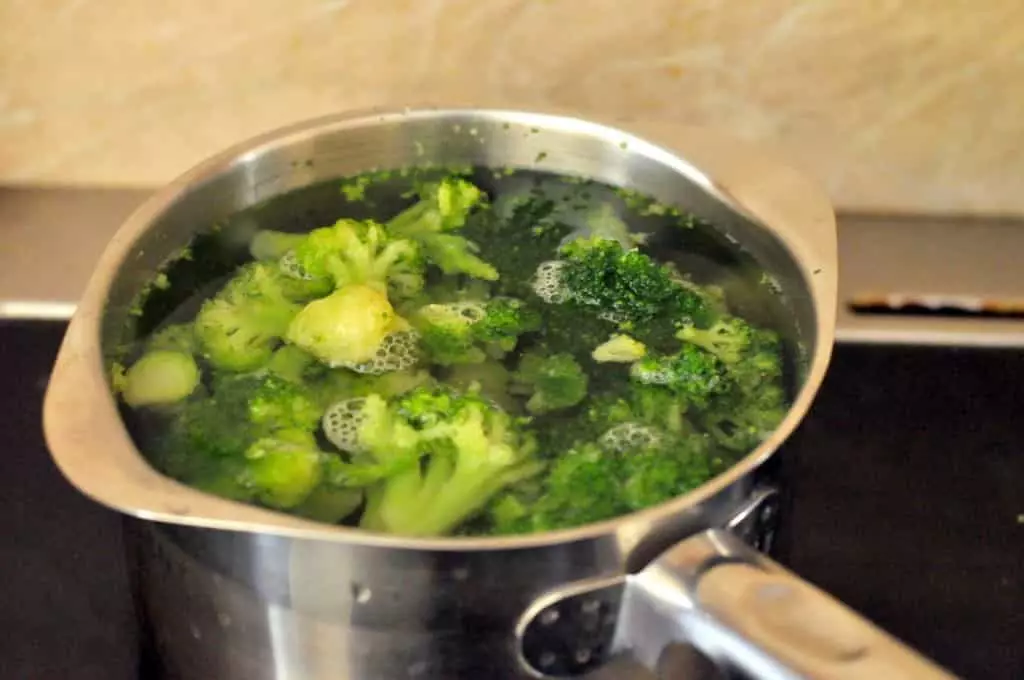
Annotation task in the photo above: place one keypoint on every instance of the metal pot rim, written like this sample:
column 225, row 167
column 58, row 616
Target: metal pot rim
column 751, row 179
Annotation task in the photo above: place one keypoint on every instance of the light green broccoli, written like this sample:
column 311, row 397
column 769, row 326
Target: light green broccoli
column 443, row 208
column 239, row 328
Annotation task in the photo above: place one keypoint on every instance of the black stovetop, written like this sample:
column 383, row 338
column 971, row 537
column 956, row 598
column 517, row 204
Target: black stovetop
column 907, row 485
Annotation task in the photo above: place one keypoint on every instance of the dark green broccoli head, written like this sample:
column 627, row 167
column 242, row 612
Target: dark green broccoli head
column 591, row 483
column 553, row 382
column 739, row 420
column 761, row 363
column 505, row 320
column 663, row 469
column 500, row 235
column 627, row 286
column 647, row 405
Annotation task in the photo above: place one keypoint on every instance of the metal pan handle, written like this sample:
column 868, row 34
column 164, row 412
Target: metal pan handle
column 736, row 606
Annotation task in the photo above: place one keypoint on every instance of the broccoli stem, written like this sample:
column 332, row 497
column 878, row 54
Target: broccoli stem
column 160, row 377
column 436, row 502
column 272, row 245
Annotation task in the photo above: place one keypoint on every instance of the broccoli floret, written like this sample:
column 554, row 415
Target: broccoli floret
column 497, row 231
column 727, row 338
column 204, row 438
column 470, row 331
column 692, row 374
column 355, row 252
column 443, row 207
column 288, row 470
column 761, row 362
column 753, row 402
column 591, row 483
column 626, row 285
column 553, row 382
column 279, row 404
column 649, row 406
column 739, row 421
column 619, row 349
column 158, row 378
column 239, row 328
column 283, row 469
column 654, row 474
column 347, row 327
column 451, row 454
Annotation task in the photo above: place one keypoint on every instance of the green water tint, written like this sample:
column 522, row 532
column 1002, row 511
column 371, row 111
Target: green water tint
column 608, row 450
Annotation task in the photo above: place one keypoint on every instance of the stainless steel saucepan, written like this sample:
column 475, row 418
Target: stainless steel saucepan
column 231, row 591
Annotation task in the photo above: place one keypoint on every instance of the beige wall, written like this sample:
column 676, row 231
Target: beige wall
column 894, row 104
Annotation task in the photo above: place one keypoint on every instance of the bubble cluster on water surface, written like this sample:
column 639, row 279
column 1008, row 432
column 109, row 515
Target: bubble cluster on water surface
column 629, row 437
column 397, row 352
column 547, row 282
column 342, row 422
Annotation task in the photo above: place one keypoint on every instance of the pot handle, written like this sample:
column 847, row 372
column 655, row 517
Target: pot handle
column 729, row 601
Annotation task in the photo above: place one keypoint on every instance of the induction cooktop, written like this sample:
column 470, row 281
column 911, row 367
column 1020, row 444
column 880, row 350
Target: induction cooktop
column 905, row 483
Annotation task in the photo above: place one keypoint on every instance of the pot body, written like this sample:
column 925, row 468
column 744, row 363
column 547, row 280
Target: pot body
column 225, row 605
column 231, row 590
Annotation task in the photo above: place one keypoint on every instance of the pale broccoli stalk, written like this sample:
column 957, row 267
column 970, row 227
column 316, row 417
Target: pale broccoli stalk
column 355, row 252
column 239, row 328
column 273, row 245
column 158, row 378
column 553, row 382
column 469, row 332
column 443, row 207
column 178, row 337
column 331, row 504
column 291, row 363
column 490, row 379
column 604, row 223
column 619, row 349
